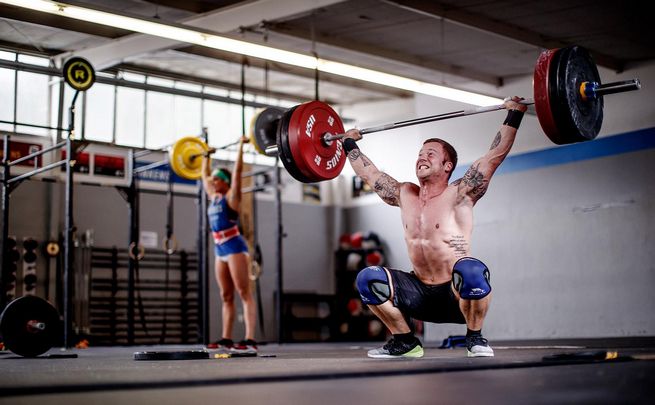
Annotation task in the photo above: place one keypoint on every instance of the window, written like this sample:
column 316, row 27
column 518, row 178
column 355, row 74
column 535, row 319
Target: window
column 32, row 102
column 99, row 119
column 129, row 116
column 187, row 116
column 215, row 115
column 7, row 105
column 160, row 124
column 119, row 114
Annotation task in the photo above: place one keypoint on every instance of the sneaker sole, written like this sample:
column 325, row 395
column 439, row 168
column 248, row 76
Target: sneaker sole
column 470, row 354
column 416, row 352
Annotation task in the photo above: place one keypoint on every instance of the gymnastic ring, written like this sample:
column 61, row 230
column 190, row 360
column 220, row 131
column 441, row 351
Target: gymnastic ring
column 141, row 251
column 52, row 248
column 170, row 245
column 255, row 271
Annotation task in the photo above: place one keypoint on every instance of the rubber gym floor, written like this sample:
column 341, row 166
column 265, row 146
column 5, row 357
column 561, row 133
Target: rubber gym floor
column 340, row 373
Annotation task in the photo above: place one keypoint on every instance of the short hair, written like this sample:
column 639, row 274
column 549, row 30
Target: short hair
column 450, row 152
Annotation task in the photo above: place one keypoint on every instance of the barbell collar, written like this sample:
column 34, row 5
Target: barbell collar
column 271, row 150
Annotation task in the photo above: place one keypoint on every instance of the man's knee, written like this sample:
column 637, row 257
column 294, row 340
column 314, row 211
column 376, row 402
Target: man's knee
column 471, row 278
column 373, row 285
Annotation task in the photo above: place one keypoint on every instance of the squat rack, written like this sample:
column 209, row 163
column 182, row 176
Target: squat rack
column 10, row 183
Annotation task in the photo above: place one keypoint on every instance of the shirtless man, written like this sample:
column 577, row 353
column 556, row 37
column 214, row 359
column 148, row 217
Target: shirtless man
column 446, row 285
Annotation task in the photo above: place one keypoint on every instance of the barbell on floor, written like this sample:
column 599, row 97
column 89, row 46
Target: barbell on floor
column 30, row 326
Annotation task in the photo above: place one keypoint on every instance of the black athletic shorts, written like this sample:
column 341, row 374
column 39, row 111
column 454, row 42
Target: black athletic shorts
column 430, row 303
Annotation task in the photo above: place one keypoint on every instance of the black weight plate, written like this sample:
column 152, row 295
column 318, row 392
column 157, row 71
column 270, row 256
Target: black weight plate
column 577, row 120
column 264, row 131
column 16, row 334
column 284, row 151
column 555, row 108
column 30, row 244
column 173, row 355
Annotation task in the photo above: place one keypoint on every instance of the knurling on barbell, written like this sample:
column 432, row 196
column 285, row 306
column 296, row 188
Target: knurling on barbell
column 568, row 99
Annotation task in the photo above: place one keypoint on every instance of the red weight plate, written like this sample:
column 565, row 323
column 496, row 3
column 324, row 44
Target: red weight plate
column 284, row 152
column 542, row 103
column 307, row 127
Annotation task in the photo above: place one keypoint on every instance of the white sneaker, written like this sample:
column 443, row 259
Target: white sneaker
column 476, row 346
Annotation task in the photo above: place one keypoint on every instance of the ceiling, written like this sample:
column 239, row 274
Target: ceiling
column 468, row 44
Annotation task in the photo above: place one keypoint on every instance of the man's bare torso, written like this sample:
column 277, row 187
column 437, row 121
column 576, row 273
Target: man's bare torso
column 437, row 231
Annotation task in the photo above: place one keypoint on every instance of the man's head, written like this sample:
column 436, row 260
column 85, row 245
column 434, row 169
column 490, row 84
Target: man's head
column 221, row 178
column 436, row 155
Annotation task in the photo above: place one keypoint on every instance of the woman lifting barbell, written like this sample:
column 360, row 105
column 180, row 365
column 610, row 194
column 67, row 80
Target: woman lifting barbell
column 232, row 260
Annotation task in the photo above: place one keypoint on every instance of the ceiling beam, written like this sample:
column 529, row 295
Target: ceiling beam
column 195, row 6
column 377, row 51
column 223, row 20
column 295, row 71
column 167, row 74
column 504, row 29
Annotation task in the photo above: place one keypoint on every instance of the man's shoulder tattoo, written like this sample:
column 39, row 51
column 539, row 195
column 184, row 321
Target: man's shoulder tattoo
column 474, row 179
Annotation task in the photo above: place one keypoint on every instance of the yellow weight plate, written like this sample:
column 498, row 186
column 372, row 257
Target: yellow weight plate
column 251, row 132
column 185, row 157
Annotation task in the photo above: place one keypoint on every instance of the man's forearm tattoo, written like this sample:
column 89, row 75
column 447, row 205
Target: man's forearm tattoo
column 496, row 141
column 387, row 188
column 476, row 181
column 356, row 154
column 459, row 244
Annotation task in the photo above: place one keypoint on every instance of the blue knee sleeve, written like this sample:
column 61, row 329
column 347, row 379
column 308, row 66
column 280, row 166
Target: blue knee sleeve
column 471, row 278
column 373, row 285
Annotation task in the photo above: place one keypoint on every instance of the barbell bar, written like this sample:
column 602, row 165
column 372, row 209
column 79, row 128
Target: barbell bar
column 588, row 90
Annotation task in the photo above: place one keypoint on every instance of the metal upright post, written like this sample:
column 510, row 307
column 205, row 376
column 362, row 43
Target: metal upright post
column 69, row 229
column 203, row 261
column 5, row 219
column 278, row 252
column 133, row 264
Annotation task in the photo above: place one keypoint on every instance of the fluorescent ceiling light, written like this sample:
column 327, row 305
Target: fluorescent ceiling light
column 182, row 33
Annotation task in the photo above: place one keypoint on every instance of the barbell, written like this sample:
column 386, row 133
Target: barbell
column 568, row 99
column 30, row 326
column 184, row 153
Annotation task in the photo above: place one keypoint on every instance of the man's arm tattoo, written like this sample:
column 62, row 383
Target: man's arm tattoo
column 496, row 141
column 356, row 154
column 388, row 189
column 475, row 180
